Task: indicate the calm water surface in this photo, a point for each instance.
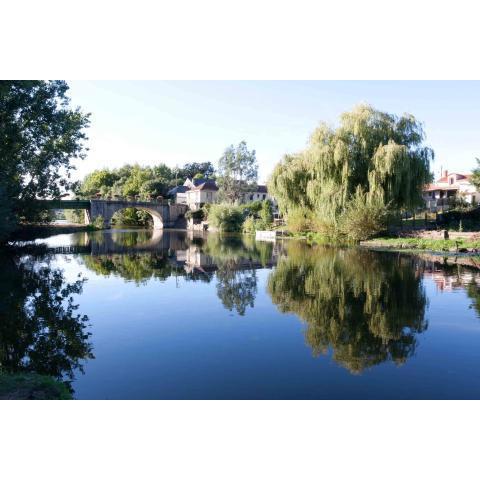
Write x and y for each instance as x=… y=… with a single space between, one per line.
x=172 y=315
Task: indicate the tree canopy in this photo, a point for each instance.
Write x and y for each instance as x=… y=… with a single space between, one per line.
x=40 y=134
x=237 y=172
x=135 y=180
x=373 y=156
x=127 y=181
x=196 y=169
x=476 y=174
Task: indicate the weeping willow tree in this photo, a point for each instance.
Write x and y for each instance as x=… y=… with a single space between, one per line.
x=374 y=158
x=366 y=307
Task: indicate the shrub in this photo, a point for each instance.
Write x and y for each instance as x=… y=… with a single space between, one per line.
x=196 y=215
x=206 y=208
x=249 y=225
x=260 y=217
x=300 y=220
x=266 y=213
x=99 y=222
x=253 y=208
x=226 y=218
x=363 y=218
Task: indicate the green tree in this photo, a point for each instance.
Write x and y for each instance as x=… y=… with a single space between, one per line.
x=266 y=213
x=371 y=153
x=226 y=217
x=97 y=180
x=237 y=173
x=204 y=170
x=476 y=175
x=40 y=134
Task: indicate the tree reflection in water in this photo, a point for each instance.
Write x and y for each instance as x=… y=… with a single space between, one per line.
x=237 y=259
x=231 y=260
x=137 y=267
x=236 y=289
x=40 y=329
x=367 y=307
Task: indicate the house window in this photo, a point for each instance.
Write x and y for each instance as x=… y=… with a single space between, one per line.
x=264 y=196
x=451 y=180
x=251 y=197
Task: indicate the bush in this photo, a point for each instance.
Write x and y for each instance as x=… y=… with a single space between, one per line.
x=98 y=222
x=206 y=208
x=362 y=219
x=249 y=225
x=226 y=218
x=266 y=213
x=197 y=215
x=300 y=220
x=253 y=208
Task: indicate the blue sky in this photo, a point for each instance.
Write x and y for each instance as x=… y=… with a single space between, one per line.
x=150 y=122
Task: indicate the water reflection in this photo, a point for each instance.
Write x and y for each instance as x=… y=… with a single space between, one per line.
x=40 y=328
x=363 y=308
x=141 y=256
x=451 y=274
x=367 y=307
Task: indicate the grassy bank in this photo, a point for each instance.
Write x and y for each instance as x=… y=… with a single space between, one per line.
x=453 y=246
x=435 y=245
x=31 y=386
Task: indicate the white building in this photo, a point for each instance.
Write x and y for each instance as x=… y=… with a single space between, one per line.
x=450 y=187
x=200 y=193
x=196 y=192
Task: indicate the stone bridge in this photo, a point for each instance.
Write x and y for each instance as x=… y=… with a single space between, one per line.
x=164 y=215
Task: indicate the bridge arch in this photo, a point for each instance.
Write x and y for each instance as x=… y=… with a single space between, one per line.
x=158 y=222
x=107 y=208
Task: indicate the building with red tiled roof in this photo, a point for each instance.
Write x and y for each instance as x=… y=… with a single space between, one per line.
x=449 y=187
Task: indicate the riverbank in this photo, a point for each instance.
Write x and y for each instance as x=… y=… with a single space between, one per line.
x=32 y=386
x=452 y=245
x=32 y=231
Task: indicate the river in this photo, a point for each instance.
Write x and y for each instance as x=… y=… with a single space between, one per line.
x=139 y=314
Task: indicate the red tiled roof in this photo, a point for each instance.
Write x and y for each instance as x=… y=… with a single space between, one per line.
x=433 y=187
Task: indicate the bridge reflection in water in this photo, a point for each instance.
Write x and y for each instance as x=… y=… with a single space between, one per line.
x=359 y=309
x=184 y=248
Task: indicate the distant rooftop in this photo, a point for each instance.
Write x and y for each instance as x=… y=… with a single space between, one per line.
x=177 y=189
